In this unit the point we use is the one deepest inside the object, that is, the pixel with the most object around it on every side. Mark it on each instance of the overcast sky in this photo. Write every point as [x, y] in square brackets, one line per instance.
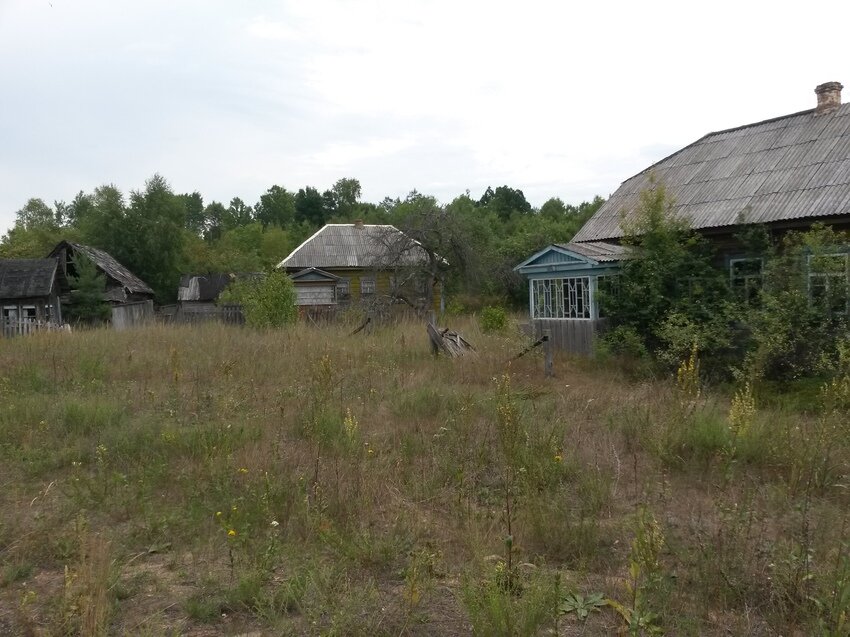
[556, 98]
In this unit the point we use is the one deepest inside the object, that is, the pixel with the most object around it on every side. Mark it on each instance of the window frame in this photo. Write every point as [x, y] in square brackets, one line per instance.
[827, 278]
[368, 281]
[342, 289]
[562, 298]
[752, 283]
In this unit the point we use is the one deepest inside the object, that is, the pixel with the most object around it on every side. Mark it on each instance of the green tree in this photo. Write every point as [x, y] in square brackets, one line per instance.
[36, 214]
[669, 292]
[505, 201]
[553, 208]
[195, 217]
[346, 194]
[310, 206]
[88, 283]
[276, 207]
[266, 302]
[35, 233]
[151, 245]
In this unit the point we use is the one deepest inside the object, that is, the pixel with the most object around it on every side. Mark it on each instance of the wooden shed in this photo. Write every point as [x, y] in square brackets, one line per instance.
[29, 293]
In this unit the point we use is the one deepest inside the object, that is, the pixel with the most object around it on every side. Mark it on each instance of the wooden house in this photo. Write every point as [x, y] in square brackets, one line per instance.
[364, 263]
[786, 173]
[122, 286]
[29, 293]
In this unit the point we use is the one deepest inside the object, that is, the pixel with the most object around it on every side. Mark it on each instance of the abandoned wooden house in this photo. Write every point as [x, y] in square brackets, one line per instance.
[785, 173]
[29, 294]
[122, 286]
[130, 298]
[350, 263]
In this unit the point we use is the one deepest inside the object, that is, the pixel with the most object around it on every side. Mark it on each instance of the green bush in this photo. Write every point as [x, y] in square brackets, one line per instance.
[266, 302]
[493, 319]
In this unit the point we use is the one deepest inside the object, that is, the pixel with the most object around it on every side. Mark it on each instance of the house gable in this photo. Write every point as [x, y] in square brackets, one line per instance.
[572, 259]
[314, 276]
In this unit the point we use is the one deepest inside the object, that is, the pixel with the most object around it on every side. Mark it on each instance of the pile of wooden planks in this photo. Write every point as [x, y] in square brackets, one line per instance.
[448, 342]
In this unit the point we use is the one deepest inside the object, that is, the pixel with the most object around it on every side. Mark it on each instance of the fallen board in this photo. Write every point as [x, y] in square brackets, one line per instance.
[447, 341]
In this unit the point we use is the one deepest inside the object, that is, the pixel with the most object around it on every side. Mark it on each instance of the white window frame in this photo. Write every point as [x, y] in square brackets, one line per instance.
[567, 298]
[368, 286]
[748, 279]
[828, 278]
[11, 312]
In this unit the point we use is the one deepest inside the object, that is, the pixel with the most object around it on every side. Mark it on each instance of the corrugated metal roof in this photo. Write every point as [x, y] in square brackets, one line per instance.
[348, 245]
[599, 251]
[790, 167]
[26, 278]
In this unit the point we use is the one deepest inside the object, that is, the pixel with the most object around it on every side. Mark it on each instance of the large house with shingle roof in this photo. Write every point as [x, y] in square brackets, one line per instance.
[345, 263]
[786, 173]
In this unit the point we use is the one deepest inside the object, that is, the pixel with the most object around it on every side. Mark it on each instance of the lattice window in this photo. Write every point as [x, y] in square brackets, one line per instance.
[829, 281]
[567, 298]
[745, 278]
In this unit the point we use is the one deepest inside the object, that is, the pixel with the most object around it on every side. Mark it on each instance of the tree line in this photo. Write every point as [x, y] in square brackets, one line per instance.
[159, 234]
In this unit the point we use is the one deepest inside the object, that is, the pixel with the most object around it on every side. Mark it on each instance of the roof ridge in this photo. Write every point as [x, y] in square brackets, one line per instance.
[717, 132]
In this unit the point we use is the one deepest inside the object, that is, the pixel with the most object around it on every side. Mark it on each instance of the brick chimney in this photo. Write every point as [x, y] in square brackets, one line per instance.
[358, 223]
[829, 97]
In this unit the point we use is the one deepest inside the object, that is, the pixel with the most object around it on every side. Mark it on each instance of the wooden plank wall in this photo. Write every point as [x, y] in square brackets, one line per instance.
[132, 315]
[571, 336]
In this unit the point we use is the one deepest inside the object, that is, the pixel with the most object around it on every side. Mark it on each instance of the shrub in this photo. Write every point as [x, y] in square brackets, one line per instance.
[493, 319]
[266, 302]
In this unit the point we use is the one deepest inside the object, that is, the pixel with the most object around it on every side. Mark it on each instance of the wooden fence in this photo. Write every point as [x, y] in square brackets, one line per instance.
[23, 327]
[575, 336]
[190, 315]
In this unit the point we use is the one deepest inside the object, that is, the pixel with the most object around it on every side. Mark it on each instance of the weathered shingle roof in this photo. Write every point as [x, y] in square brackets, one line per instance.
[348, 245]
[106, 263]
[599, 251]
[791, 167]
[26, 278]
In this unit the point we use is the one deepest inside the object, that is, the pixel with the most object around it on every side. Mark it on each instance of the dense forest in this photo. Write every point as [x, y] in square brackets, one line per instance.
[160, 234]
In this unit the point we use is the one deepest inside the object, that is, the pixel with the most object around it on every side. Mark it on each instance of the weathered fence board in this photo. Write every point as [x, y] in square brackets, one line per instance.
[575, 336]
[22, 327]
[190, 314]
[129, 315]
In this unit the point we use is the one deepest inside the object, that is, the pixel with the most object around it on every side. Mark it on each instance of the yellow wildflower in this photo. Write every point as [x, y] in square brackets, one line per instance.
[231, 533]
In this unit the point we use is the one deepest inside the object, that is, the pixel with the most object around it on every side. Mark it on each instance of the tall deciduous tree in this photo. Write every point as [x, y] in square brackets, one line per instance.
[153, 246]
[309, 206]
[276, 207]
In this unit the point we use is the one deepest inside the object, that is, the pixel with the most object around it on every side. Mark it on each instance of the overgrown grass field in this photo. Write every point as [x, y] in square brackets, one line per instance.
[214, 480]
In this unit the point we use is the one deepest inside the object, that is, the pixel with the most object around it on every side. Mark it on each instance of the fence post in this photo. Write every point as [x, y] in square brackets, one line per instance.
[548, 353]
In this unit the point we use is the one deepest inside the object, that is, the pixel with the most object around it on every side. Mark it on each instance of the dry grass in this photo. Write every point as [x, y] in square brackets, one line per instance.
[215, 480]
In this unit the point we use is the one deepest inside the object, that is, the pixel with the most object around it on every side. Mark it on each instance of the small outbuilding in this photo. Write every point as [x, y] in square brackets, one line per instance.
[29, 293]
